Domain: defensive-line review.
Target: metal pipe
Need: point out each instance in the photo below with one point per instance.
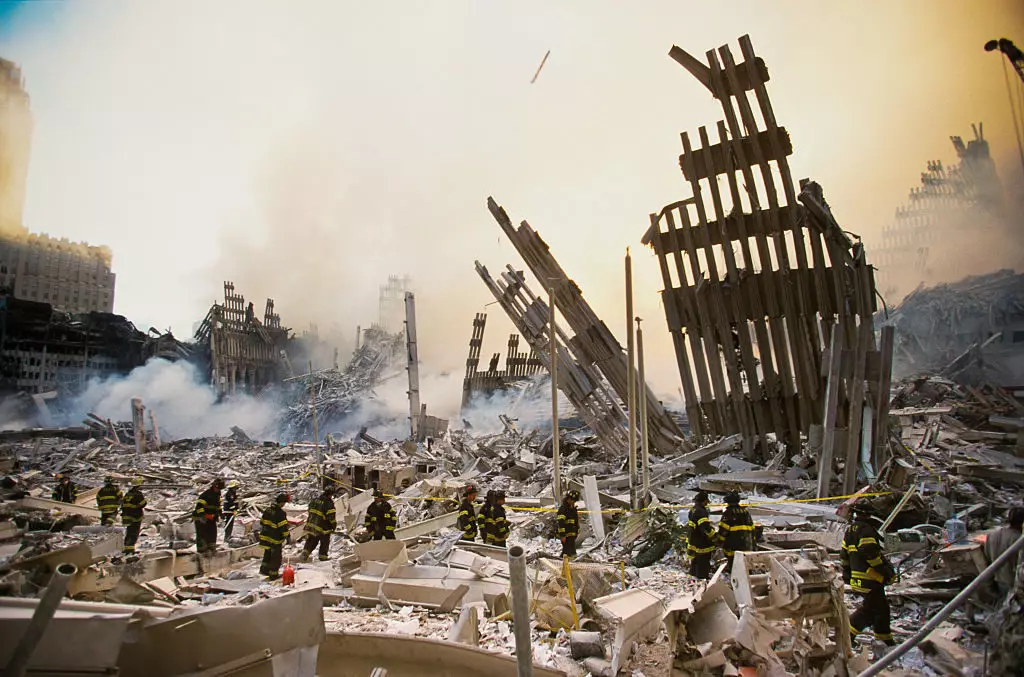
(641, 394)
(556, 454)
(520, 611)
(953, 605)
(47, 606)
(631, 382)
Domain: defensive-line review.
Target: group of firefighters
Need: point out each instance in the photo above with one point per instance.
(865, 568)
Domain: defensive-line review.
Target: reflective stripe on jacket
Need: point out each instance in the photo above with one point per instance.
(273, 527)
(568, 521)
(467, 519)
(701, 540)
(322, 515)
(736, 530)
(208, 505)
(863, 559)
(109, 499)
(133, 507)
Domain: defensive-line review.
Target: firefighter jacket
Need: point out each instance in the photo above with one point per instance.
(499, 526)
(864, 565)
(109, 500)
(467, 520)
(230, 503)
(702, 534)
(134, 507)
(485, 521)
(65, 492)
(208, 506)
(322, 515)
(736, 530)
(568, 520)
(380, 519)
(273, 527)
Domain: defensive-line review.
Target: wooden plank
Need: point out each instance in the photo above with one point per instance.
(758, 145)
(829, 418)
(47, 504)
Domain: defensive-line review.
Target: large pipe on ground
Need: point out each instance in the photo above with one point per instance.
(937, 619)
(520, 611)
(18, 665)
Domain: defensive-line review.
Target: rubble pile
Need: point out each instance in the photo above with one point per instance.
(339, 393)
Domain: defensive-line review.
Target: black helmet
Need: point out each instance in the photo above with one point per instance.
(866, 512)
(499, 494)
(282, 499)
(732, 498)
(377, 493)
(491, 495)
(573, 495)
(109, 479)
(470, 490)
(701, 498)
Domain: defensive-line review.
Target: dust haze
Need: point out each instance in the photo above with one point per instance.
(308, 151)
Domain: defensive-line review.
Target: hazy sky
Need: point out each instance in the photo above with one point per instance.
(308, 149)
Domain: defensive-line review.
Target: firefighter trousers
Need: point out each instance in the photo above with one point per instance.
(324, 540)
(874, 613)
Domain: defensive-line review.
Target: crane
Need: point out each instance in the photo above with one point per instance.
(1016, 59)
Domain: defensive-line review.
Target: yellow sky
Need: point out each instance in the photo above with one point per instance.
(306, 150)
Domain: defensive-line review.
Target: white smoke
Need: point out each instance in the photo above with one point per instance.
(184, 406)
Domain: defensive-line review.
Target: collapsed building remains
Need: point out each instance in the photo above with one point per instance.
(751, 331)
(971, 331)
(592, 366)
(240, 353)
(43, 350)
(955, 203)
(519, 366)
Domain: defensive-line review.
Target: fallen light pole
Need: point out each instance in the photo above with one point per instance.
(937, 619)
(45, 609)
(520, 611)
(556, 460)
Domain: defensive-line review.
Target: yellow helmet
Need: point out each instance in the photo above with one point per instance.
(138, 481)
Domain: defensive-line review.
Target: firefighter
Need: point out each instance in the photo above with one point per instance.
(484, 518)
(230, 508)
(499, 524)
(320, 524)
(108, 500)
(380, 518)
(205, 516)
(736, 529)
(273, 534)
(701, 545)
(867, 571)
(569, 523)
(467, 515)
(132, 510)
(65, 491)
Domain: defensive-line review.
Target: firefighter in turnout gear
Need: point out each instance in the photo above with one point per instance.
(108, 500)
(205, 516)
(132, 510)
(230, 508)
(867, 571)
(701, 545)
(484, 519)
(569, 523)
(736, 529)
(65, 491)
(380, 518)
(467, 515)
(320, 524)
(498, 524)
(273, 534)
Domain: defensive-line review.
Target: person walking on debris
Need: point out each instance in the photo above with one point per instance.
(467, 515)
(65, 491)
(108, 500)
(569, 523)
(701, 544)
(498, 522)
(736, 529)
(273, 534)
(484, 519)
(380, 518)
(867, 571)
(230, 508)
(205, 516)
(132, 510)
(320, 524)
(997, 543)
